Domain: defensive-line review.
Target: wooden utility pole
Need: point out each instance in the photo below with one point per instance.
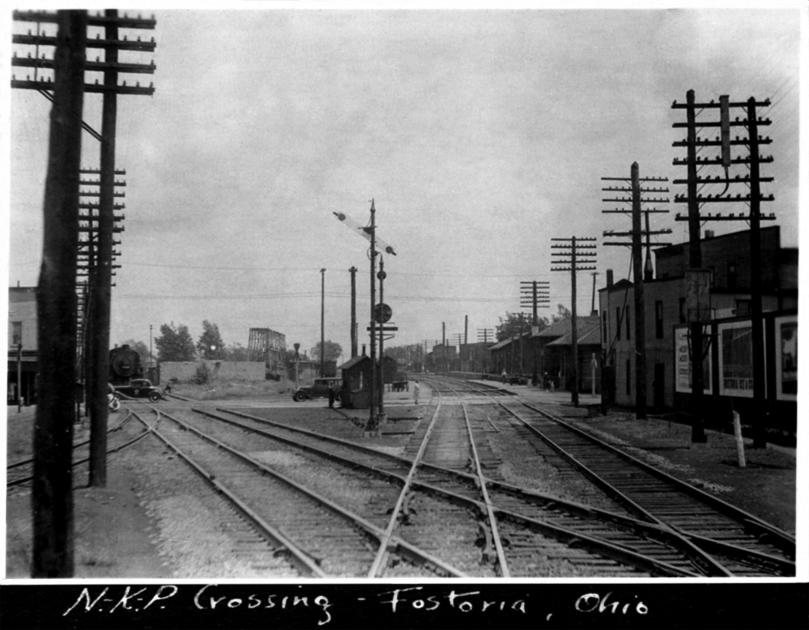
(465, 346)
(576, 254)
(52, 486)
(593, 310)
(444, 344)
(695, 197)
(322, 323)
(353, 272)
(372, 425)
(99, 300)
(533, 294)
(637, 235)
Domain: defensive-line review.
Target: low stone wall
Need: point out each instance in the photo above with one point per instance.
(186, 371)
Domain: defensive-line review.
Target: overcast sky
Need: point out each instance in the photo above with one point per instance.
(480, 135)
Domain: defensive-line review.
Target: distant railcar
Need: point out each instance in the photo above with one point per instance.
(124, 365)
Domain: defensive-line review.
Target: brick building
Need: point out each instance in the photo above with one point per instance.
(727, 257)
(23, 355)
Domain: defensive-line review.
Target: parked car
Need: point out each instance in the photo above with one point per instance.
(517, 380)
(319, 389)
(139, 388)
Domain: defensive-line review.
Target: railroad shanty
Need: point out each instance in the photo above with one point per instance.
(624, 405)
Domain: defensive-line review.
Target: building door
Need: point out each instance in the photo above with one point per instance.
(659, 386)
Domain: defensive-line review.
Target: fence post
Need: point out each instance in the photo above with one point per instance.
(737, 432)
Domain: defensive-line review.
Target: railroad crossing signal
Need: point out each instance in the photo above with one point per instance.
(382, 313)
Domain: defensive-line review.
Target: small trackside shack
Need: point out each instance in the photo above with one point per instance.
(356, 390)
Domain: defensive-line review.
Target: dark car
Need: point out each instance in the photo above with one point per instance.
(517, 380)
(139, 388)
(319, 389)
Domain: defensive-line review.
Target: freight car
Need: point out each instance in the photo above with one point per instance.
(124, 365)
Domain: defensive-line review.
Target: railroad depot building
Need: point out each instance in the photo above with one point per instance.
(728, 362)
(549, 353)
(23, 355)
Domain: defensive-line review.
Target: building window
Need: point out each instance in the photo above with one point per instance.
(682, 310)
(742, 308)
(659, 319)
(626, 315)
(16, 333)
(732, 276)
(628, 377)
(618, 323)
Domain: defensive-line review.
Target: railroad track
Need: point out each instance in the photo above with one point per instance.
(541, 528)
(319, 536)
(20, 473)
(732, 541)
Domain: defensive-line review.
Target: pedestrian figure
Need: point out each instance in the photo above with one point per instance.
(331, 397)
(416, 392)
(167, 389)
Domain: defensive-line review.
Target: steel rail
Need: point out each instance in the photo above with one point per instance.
(638, 527)
(76, 445)
(381, 556)
(367, 527)
(20, 481)
(300, 559)
(710, 564)
(784, 541)
(498, 543)
(744, 519)
(557, 532)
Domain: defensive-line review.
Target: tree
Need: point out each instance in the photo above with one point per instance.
(138, 346)
(210, 344)
(236, 352)
(174, 344)
(515, 324)
(332, 353)
(562, 312)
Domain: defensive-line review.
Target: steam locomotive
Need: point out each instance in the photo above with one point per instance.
(124, 365)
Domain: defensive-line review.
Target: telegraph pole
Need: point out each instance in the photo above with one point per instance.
(576, 254)
(52, 485)
(465, 345)
(695, 182)
(88, 257)
(109, 88)
(322, 323)
(637, 234)
(353, 272)
(593, 310)
(444, 344)
(532, 295)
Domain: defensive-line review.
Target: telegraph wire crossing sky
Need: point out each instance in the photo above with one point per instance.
(480, 135)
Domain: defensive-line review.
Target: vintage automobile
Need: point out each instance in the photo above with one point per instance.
(319, 389)
(138, 388)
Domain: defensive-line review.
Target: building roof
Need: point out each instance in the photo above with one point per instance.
(352, 362)
(679, 248)
(500, 344)
(561, 327)
(588, 331)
